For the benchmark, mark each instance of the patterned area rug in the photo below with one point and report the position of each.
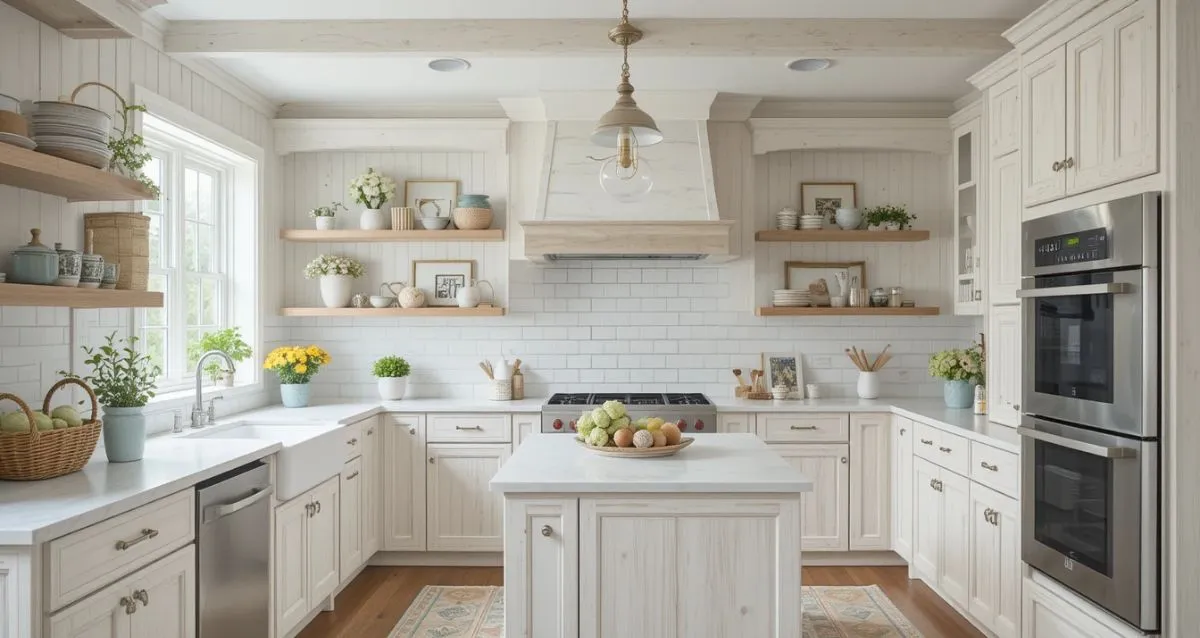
(478, 612)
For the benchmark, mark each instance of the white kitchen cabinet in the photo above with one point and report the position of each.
(306, 553)
(970, 210)
(350, 546)
(546, 583)
(995, 591)
(927, 521)
(1005, 352)
(463, 514)
(1044, 129)
(902, 486)
(824, 524)
(1004, 116)
(403, 482)
(954, 564)
(525, 426)
(14, 596)
(371, 487)
(1051, 611)
(735, 422)
(1004, 214)
(323, 548)
(870, 482)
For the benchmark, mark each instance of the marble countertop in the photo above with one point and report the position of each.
(714, 463)
(38, 511)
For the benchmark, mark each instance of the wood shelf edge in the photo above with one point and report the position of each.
(392, 312)
(76, 182)
(68, 297)
(833, 235)
(364, 236)
(826, 311)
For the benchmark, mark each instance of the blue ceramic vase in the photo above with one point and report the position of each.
(959, 394)
(124, 433)
(294, 395)
(473, 201)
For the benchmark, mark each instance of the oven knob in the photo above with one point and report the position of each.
(557, 424)
(572, 426)
(699, 424)
(682, 424)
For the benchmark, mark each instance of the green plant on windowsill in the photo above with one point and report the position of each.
(228, 341)
(121, 376)
(889, 216)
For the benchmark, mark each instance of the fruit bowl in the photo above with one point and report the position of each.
(639, 452)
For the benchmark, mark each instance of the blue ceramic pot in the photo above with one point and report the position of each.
(473, 201)
(294, 395)
(959, 394)
(124, 433)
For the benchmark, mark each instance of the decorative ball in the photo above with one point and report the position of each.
(643, 438)
(623, 437)
(412, 297)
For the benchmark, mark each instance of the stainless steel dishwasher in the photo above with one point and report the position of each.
(233, 554)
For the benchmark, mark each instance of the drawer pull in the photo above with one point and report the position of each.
(352, 442)
(412, 431)
(147, 534)
(371, 432)
(1056, 166)
(469, 427)
(352, 476)
(431, 460)
(935, 484)
(927, 441)
(987, 466)
(804, 427)
(902, 431)
(547, 531)
(944, 449)
(845, 460)
(128, 604)
(143, 596)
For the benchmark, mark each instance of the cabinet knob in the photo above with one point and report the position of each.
(318, 507)
(412, 431)
(547, 531)
(1069, 163)
(902, 431)
(371, 432)
(352, 442)
(431, 459)
(128, 604)
(1017, 408)
(845, 460)
(143, 596)
(1056, 167)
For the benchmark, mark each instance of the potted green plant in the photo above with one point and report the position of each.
(129, 153)
(392, 374)
(228, 341)
(889, 217)
(325, 216)
(962, 369)
(124, 381)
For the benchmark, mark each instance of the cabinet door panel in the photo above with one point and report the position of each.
(541, 591)
(1008, 601)
(1004, 229)
(464, 515)
(1135, 84)
(954, 564)
(1004, 361)
(369, 517)
(902, 487)
(323, 553)
(291, 563)
(735, 423)
(927, 520)
(1089, 109)
(168, 593)
(1044, 127)
(983, 594)
(1004, 119)
(870, 496)
(824, 525)
(350, 547)
(403, 482)
(524, 426)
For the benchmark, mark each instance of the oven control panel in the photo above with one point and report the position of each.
(1073, 248)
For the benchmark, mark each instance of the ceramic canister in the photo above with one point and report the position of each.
(112, 272)
(70, 263)
(34, 263)
(469, 200)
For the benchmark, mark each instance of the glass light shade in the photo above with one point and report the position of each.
(626, 184)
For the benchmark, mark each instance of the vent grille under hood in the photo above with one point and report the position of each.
(627, 240)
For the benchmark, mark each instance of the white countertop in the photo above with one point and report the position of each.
(714, 463)
(347, 413)
(37, 511)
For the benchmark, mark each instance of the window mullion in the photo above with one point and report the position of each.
(177, 330)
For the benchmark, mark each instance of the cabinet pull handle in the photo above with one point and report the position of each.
(845, 460)
(143, 596)
(944, 449)
(146, 534)
(352, 476)
(371, 432)
(308, 507)
(1056, 167)
(318, 507)
(987, 514)
(988, 466)
(902, 431)
(412, 431)
(352, 442)
(927, 441)
(995, 518)
(547, 531)
(1017, 408)
(431, 460)
(933, 484)
(469, 427)
(804, 427)
(128, 604)
(1069, 163)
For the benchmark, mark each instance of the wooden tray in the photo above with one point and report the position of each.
(639, 452)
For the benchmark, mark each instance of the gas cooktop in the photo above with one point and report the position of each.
(629, 399)
(692, 412)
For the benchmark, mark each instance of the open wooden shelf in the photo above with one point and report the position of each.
(838, 235)
(350, 236)
(826, 311)
(66, 297)
(55, 176)
(440, 311)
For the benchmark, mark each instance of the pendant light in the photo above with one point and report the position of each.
(625, 127)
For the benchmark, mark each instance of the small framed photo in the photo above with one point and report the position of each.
(431, 197)
(440, 279)
(824, 279)
(825, 198)
(785, 368)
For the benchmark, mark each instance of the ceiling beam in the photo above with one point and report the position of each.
(664, 37)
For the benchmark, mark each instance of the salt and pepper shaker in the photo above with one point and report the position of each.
(980, 400)
(177, 423)
(896, 298)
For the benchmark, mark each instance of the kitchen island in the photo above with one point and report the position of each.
(702, 544)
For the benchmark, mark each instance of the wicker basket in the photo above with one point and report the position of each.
(36, 455)
(472, 218)
(123, 238)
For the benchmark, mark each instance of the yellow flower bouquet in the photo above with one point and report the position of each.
(296, 364)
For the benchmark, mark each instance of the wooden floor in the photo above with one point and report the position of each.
(371, 605)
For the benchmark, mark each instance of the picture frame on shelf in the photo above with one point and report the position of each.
(431, 197)
(440, 279)
(824, 279)
(824, 198)
(785, 368)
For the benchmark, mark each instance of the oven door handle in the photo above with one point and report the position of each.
(1066, 291)
(1102, 451)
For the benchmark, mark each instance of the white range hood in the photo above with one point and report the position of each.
(574, 219)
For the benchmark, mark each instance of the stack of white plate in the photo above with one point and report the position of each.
(812, 222)
(73, 132)
(791, 298)
(787, 219)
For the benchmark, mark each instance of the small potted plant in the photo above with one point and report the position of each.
(124, 381)
(337, 275)
(962, 369)
(325, 216)
(392, 373)
(889, 217)
(228, 341)
(372, 190)
(129, 153)
(296, 366)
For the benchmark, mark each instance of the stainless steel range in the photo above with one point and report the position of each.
(691, 412)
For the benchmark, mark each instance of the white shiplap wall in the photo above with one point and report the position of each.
(38, 63)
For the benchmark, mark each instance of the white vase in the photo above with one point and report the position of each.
(868, 385)
(336, 290)
(392, 388)
(848, 218)
(372, 219)
(326, 223)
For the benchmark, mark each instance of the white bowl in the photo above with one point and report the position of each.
(433, 223)
(380, 301)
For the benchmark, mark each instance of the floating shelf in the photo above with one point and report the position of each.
(354, 236)
(66, 297)
(832, 235)
(826, 311)
(393, 312)
(55, 176)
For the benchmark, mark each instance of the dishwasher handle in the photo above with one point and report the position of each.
(215, 512)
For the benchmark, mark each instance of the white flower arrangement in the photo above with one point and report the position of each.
(372, 189)
(333, 265)
(327, 211)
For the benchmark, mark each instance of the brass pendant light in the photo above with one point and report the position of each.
(625, 126)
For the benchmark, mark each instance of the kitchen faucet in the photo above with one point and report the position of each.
(198, 416)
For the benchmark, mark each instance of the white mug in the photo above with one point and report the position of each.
(812, 391)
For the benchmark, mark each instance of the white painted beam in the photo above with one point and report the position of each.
(434, 135)
(666, 37)
(922, 135)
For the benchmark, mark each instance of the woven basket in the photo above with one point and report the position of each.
(472, 218)
(36, 455)
(123, 238)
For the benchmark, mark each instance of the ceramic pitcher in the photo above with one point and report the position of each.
(470, 295)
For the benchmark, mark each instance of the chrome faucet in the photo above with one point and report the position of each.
(198, 415)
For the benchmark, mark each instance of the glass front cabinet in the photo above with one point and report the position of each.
(969, 286)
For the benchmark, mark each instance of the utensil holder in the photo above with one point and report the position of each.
(868, 385)
(502, 390)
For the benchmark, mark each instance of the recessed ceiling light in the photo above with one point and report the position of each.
(810, 64)
(449, 65)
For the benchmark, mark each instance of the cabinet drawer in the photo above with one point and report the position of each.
(93, 557)
(947, 450)
(996, 469)
(472, 428)
(353, 436)
(804, 428)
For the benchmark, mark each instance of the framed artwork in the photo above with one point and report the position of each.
(824, 279)
(431, 197)
(785, 368)
(440, 279)
(826, 198)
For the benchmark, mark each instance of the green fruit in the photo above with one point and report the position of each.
(601, 418)
(59, 424)
(14, 422)
(598, 437)
(67, 413)
(44, 422)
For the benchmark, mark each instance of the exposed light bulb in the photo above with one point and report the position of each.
(626, 177)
